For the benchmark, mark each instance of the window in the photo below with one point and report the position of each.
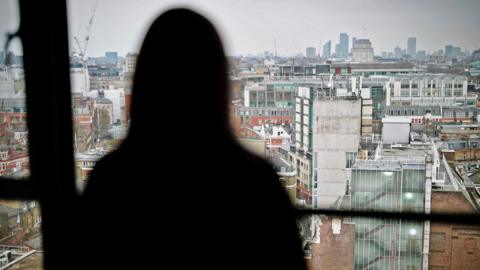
(381, 189)
(20, 220)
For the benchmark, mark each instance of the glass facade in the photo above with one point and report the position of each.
(385, 243)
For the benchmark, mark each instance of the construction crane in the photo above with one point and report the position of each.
(82, 50)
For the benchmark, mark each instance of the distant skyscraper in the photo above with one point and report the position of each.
(2, 57)
(337, 50)
(412, 46)
(397, 52)
(353, 41)
(343, 46)
(111, 58)
(327, 49)
(456, 51)
(448, 51)
(311, 52)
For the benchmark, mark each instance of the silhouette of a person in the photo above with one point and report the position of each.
(180, 192)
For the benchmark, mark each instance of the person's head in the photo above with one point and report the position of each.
(181, 78)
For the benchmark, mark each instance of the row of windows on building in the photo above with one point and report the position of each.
(436, 93)
(434, 111)
(246, 120)
(265, 112)
(463, 145)
(13, 119)
(434, 86)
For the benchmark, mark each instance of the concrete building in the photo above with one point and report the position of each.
(336, 127)
(274, 94)
(301, 157)
(79, 79)
(117, 98)
(396, 130)
(130, 63)
(303, 120)
(444, 97)
(375, 69)
(362, 51)
(327, 50)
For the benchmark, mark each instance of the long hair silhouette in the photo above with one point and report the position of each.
(180, 192)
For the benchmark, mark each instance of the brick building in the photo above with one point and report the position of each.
(453, 246)
(332, 244)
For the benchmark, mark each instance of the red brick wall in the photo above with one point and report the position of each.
(128, 106)
(335, 251)
(453, 246)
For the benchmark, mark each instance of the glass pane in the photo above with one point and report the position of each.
(14, 161)
(352, 116)
(324, 142)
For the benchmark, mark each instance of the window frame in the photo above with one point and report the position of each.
(50, 132)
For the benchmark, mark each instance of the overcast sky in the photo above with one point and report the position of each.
(250, 26)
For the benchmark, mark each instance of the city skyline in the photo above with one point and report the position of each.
(250, 27)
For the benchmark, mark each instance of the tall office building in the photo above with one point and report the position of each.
(2, 57)
(412, 46)
(354, 39)
(311, 52)
(343, 46)
(336, 124)
(456, 51)
(448, 50)
(327, 49)
(398, 52)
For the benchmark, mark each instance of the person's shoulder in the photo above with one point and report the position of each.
(111, 166)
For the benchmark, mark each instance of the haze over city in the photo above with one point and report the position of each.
(250, 27)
